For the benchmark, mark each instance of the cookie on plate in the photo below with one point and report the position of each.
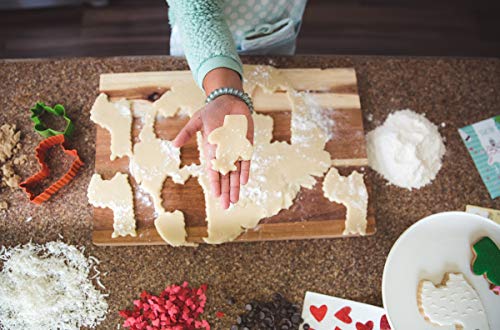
(486, 261)
(454, 302)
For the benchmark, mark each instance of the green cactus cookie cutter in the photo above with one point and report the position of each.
(41, 128)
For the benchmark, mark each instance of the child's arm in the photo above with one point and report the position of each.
(214, 62)
(206, 39)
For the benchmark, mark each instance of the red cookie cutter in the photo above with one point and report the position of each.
(41, 153)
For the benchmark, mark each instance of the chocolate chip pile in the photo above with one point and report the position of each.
(279, 314)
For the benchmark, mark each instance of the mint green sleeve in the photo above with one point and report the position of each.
(206, 38)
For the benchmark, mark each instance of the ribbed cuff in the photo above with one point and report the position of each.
(215, 62)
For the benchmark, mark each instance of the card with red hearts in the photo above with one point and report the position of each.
(324, 312)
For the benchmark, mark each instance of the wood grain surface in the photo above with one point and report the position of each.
(311, 215)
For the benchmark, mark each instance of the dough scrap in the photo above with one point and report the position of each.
(268, 78)
(152, 162)
(155, 159)
(350, 191)
(311, 125)
(232, 143)
(185, 98)
(115, 194)
(117, 119)
(454, 303)
(170, 226)
(278, 171)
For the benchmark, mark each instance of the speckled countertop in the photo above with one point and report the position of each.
(455, 92)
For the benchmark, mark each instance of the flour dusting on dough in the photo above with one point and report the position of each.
(311, 125)
(117, 119)
(155, 159)
(115, 194)
(278, 169)
(350, 191)
(152, 162)
(184, 98)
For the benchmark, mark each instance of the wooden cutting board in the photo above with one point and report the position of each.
(311, 215)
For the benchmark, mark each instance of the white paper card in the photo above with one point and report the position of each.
(324, 312)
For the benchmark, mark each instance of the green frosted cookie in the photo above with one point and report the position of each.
(487, 260)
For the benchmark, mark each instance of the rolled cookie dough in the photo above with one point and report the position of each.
(278, 171)
(350, 191)
(170, 226)
(115, 194)
(152, 162)
(117, 119)
(185, 98)
(232, 143)
(454, 303)
(154, 159)
(268, 78)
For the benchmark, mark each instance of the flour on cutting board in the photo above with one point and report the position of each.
(278, 169)
(407, 150)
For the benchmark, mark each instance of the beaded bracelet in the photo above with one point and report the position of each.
(231, 91)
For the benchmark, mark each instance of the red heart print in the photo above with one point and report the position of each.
(367, 326)
(384, 323)
(337, 328)
(343, 314)
(318, 313)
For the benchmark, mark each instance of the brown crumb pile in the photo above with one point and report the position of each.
(10, 144)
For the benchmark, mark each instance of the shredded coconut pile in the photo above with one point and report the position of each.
(49, 287)
(407, 150)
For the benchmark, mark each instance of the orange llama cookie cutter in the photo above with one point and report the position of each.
(41, 153)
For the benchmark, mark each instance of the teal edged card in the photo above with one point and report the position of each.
(482, 140)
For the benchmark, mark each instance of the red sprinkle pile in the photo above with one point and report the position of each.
(176, 308)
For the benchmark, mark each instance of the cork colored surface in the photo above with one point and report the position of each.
(455, 92)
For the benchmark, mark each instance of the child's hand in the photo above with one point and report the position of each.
(208, 118)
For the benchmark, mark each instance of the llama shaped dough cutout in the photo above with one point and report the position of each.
(352, 193)
(232, 143)
(115, 194)
(453, 303)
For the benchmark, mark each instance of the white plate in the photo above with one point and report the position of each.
(433, 246)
